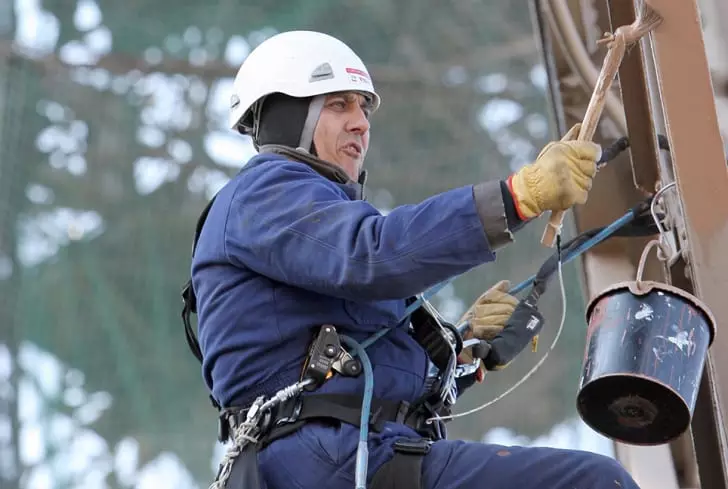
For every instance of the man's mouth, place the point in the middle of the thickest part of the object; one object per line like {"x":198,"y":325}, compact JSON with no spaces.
{"x":352,"y":149}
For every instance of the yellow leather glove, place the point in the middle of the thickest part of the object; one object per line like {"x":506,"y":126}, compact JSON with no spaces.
{"x":560,"y":177}
{"x":487,"y":317}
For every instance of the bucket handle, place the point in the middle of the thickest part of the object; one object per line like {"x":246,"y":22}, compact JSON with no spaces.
{"x":662,"y":255}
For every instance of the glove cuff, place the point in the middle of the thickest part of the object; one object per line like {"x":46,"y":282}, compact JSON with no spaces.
{"x":514,"y":187}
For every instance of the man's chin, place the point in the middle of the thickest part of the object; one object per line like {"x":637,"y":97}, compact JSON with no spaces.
{"x":352,"y":166}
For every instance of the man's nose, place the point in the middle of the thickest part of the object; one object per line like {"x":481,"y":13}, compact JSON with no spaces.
{"x":358,"y":122}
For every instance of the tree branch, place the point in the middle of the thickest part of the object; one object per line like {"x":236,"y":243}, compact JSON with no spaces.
{"x":122,"y":63}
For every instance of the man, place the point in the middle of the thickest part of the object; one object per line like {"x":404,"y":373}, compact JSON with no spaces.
{"x":289,"y":245}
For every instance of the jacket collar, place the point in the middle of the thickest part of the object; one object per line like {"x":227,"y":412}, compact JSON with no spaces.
{"x":355,"y":190}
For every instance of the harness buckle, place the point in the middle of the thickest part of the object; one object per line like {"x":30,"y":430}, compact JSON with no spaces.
{"x":295,"y":413}
{"x":227,"y":420}
{"x":412,"y":446}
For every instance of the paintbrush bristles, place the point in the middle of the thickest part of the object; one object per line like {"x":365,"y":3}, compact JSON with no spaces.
{"x":647,"y":16}
{"x":647,"y":19}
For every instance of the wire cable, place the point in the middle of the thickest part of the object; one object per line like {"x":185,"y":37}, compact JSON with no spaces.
{"x":538,"y":364}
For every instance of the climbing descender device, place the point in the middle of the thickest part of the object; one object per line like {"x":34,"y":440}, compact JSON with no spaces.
{"x":325,"y":356}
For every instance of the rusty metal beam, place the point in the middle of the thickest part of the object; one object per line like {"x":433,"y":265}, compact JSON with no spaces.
{"x":699,"y":166}
{"x":635,"y":93}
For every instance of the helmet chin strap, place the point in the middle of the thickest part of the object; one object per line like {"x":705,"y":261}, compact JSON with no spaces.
{"x":314,"y":112}
{"x":257,"y":111}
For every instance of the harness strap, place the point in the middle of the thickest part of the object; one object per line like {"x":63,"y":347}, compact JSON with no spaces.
{"x":404,"y":469}
{"x":245,"y":472}
{"x":346,"y":408}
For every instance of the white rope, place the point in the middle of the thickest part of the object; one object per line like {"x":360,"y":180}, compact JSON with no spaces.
{"x":530,"y":372}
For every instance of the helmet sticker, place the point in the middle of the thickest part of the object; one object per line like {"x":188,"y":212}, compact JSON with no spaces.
{"x":358,"y":76}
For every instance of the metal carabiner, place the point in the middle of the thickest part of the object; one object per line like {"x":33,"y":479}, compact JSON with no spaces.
{"x":465,"y":369}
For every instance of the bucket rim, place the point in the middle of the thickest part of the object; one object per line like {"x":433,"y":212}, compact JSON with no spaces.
{"x":648,"y":286}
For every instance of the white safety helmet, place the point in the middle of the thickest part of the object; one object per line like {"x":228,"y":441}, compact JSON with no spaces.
{"x":298,"y":64}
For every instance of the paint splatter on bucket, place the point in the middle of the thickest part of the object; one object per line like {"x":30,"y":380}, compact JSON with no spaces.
{"x":645,"y":352}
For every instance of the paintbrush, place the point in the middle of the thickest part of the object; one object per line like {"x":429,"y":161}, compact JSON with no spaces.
{"x":617,"y":43}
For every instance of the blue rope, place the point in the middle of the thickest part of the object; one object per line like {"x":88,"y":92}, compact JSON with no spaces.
{"x":587,"y":245}
{"x":362,"y":452}
{"x":590,"y":243}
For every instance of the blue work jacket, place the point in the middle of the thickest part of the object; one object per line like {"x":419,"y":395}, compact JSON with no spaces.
{"x":286,"y":249}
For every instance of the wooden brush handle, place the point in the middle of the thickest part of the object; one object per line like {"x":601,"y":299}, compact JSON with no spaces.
{"x":617,"y":44}
{"x":552,"y":228}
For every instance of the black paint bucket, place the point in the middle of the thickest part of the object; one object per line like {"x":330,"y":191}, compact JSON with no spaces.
{"x":645,"y":351}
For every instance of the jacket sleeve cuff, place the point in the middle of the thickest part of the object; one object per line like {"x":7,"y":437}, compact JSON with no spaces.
{"x":492,"y":213}
{"x":513,"y":217}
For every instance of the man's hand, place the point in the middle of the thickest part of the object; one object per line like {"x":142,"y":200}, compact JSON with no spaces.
{"x":560,"y":177}
{"x":487,"y":317}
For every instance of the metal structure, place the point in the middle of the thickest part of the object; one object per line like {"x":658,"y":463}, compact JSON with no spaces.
{"x":666,"y":85}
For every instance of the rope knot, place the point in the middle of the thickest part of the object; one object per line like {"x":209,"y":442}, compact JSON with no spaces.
{"x":618,"y":38}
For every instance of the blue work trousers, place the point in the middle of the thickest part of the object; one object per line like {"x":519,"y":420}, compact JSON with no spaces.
{"x":324,"y":456}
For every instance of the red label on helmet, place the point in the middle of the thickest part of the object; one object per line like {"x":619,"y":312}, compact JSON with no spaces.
{"x":354,"y":71}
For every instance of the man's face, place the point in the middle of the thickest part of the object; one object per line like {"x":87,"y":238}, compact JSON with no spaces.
{"x":342,"y":133}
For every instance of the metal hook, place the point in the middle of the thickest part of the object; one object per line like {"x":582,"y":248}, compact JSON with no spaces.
{"x":664,"y":245}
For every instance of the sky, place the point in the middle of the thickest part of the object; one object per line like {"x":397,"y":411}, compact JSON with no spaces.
{"x":60,"y":447}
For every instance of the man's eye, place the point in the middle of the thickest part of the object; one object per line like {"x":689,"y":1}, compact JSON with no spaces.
{"x":338,"y":103}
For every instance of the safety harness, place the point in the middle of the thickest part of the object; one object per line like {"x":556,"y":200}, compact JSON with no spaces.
{"x":252,"y":428}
